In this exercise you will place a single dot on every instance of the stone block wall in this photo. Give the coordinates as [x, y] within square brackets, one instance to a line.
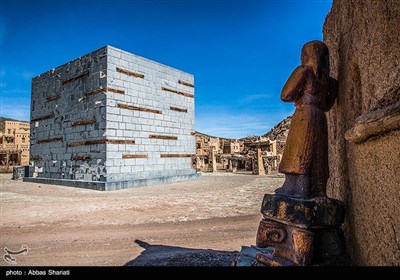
[111, 120]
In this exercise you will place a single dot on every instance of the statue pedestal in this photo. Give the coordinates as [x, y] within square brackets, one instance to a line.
[300, 231]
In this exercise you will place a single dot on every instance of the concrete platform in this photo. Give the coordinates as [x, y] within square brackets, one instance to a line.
[111, 186]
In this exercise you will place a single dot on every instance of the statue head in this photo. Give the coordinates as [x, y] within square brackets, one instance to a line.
[316, 55]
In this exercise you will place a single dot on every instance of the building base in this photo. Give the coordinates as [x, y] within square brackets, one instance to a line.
[111, 186]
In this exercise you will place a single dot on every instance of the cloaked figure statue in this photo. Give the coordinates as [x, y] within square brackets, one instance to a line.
[305, 158]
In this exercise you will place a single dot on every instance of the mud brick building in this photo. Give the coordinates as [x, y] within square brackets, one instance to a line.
[110, 120]
[14, 144]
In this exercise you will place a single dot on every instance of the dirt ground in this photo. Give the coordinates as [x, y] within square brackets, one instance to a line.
[65, 226]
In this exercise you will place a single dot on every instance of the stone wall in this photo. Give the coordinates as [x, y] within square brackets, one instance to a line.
[110, 120]
[156, 112]
[64, 114]
[364, 137]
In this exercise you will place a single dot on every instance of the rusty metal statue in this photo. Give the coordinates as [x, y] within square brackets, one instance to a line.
[301, 225]
[305, 158]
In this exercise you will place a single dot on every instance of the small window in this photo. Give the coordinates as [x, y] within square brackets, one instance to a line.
[23, 140]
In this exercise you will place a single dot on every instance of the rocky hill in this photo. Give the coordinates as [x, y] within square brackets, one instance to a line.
[280, 131]
[9, 119]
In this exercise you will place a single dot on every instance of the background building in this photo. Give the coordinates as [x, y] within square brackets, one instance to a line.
[14, 144]
[258, 154]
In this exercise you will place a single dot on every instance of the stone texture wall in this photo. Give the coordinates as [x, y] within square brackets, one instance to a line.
[364, 42]
[156, 111]
[111, 120]
[63, 115]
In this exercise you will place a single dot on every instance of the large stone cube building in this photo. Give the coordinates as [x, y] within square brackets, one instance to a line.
[111, 120]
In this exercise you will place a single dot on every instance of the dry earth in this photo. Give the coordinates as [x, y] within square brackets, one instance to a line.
[72, 226]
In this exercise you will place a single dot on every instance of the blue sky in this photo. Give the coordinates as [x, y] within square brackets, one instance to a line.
[240, 51]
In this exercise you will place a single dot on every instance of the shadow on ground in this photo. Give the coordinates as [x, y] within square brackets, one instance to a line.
[162, 255]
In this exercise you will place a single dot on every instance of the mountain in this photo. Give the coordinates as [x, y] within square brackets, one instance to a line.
[9, 119]
[280, 131]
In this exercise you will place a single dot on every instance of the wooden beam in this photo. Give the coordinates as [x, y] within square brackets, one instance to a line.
[178, 92]
[186, 83]
[54, 97]
[130, 73]
[175, 155]
[163, 137]
[87, 143]
[113, 141]
[83, 157]
[178, 109]
[115, 90]
[104, 90]
[83, 122]
[96, 91]
[59, 139]
[35, 158]
[77, 77]
[129, 107]
[43, 118]
[133, 156]
[100, 141]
